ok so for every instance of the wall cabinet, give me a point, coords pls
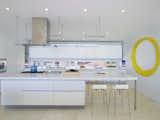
(43, 92)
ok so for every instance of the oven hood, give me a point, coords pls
(39, 30)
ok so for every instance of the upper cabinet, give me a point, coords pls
(39, 30)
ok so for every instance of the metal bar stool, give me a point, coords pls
(101, 90)
(119, 90)
(97, 93)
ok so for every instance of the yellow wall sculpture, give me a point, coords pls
(133, 56)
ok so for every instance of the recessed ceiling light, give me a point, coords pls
(85, 10)
(7, 9)
(123, 11)
(46, 9)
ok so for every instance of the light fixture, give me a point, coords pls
(59, 32)
(46, 9)
(123, 11)
(7, 9)
(85, 10)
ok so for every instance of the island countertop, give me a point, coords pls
(82, 76)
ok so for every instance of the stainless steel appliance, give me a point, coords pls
(3, 65)
(39, 30)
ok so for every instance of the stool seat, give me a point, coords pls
(121, 87)
(99, 87)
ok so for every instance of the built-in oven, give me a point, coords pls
(3, 65)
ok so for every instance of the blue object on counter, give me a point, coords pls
(33, 69)
(123, 63)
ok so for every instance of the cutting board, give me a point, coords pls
(71, 73)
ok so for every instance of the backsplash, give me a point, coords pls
(51, 65)
(76, 55)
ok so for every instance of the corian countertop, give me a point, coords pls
(81, 76)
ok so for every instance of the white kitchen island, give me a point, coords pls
(65, 89)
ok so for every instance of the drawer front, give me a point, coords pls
(69, 85)
(37, 85)
(11, 98)
(11, 85)
(69, 98)
(37, 98)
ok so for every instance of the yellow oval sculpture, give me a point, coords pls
(133, 58)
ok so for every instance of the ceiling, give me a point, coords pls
(141, 17)
(74, 7)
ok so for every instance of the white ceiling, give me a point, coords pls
(74, 7)
(142, 17)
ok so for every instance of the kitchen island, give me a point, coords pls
(59, 89)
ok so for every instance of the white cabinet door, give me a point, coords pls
(38, 92)
(11, 92)
(69, 98)
(29, 92)
(43, 92)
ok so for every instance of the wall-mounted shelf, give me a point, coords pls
(50, 42)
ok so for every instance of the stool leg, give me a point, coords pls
(104, 97)
(90, 94)
(111, 101)
(87, 94)
(92, 105)
(115, 102)
(128, 96)
(122, 99)
(108, 104)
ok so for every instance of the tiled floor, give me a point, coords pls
(146, 110)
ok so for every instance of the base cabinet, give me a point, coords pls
(11, 92)
(69, 98)
(47, 92)
(37, 98)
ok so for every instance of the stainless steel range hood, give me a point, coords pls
(39, 30)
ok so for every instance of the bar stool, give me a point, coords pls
(119, 89)
(96, 91)
(95, 88)
(100, 89)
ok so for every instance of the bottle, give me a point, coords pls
(34, 68)
(123, 64)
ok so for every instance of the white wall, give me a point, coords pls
(8, 41)
(2, 39)
(1, 46)
(149, 86)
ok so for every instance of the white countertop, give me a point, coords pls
(82, 76)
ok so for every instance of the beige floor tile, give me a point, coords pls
(146, 110)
